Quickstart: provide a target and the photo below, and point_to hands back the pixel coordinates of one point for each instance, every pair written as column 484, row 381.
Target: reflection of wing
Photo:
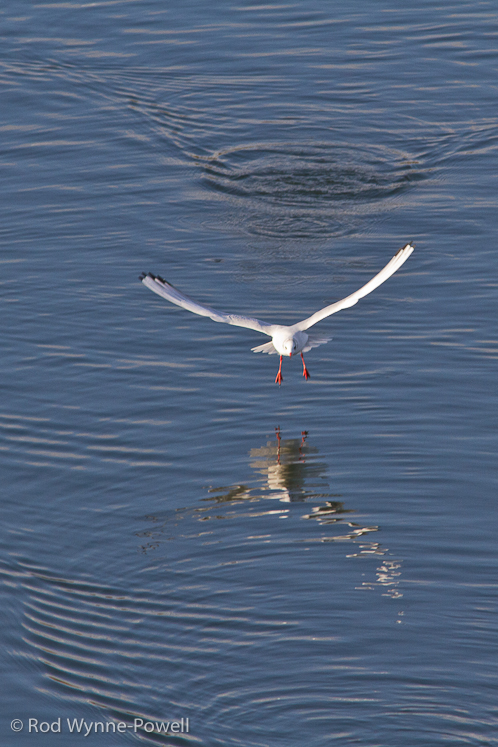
column 399, row 259
column 168, row 291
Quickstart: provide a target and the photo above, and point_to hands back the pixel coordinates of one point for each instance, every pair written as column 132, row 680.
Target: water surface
column 183, row 538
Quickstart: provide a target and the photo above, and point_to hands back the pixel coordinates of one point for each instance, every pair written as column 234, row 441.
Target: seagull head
column 290, row 347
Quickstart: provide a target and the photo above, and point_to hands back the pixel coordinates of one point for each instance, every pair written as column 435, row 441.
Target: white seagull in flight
column 289, row 340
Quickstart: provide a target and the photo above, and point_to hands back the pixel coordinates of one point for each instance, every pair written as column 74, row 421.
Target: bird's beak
column 290, row 355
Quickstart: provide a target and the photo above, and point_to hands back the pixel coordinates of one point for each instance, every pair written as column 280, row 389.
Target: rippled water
column 314, row 563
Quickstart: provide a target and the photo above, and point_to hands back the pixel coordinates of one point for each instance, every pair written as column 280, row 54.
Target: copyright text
column 80, row 726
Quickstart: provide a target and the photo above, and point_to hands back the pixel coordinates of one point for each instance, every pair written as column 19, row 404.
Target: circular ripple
column 310, row 188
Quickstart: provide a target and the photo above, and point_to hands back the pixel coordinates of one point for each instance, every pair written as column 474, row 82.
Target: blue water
column 311, row 564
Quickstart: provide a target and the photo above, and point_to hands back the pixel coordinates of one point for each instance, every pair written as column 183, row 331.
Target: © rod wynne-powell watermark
column 80, row 726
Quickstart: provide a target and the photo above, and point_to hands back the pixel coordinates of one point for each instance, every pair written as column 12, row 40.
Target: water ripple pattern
column 181, row 538
column 324, row 188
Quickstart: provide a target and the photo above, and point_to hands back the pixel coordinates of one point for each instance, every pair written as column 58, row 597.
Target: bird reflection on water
column 289, row 472
column 286, row 466
column 292, row 474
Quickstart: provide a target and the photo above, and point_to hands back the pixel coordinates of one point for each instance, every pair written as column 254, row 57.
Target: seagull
column 285, row 340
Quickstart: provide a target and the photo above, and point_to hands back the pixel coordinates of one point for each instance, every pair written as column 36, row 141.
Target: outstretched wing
column 399, row 259
column 168, row 291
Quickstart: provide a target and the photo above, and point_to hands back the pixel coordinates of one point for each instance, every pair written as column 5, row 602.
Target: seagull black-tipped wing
column 172, row 294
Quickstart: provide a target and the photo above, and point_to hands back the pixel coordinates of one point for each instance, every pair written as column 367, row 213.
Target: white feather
column 168, row 291
column 268, row 347
column 399, row 259
column 314, row 342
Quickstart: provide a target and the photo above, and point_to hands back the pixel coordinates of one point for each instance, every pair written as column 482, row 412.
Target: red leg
column 304, row 436
column 306, row 373
column 279, row 378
